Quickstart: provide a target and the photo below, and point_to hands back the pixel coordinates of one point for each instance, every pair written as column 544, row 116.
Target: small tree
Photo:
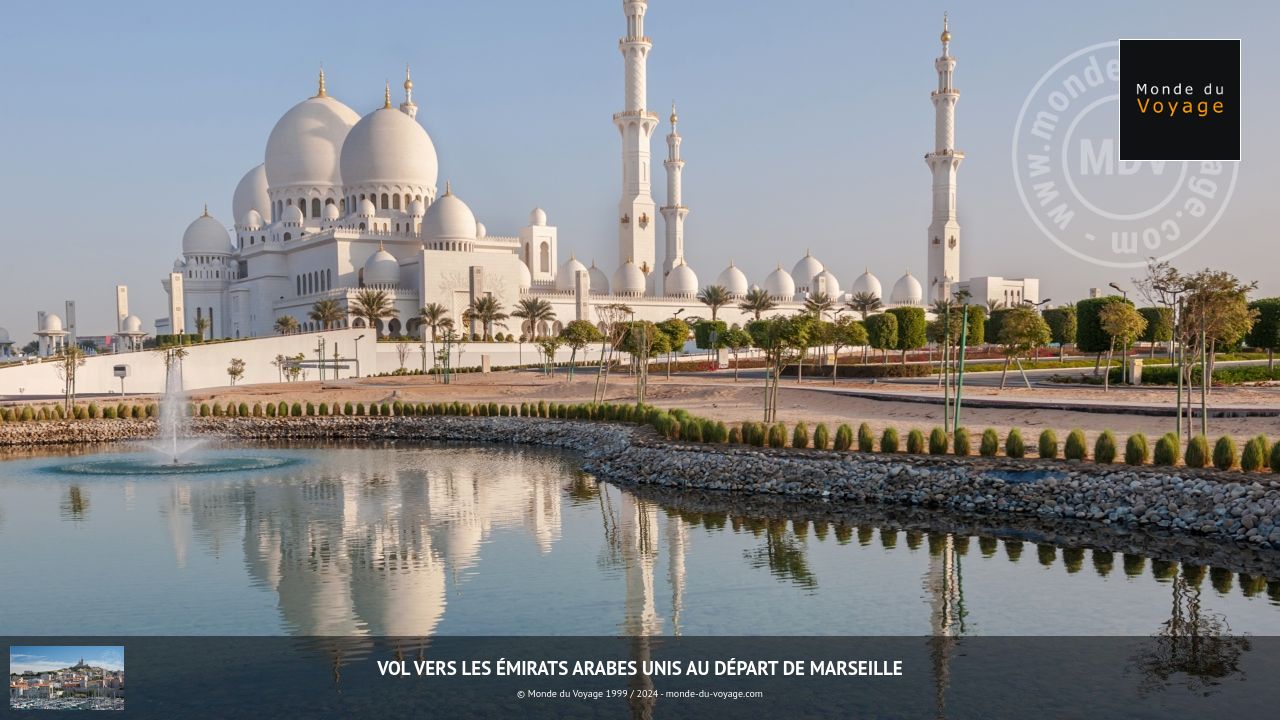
column 912, row 329
column 577, row 335
column 1062, row 326
column 286, row 325
column 68, row 364
column 1159, row 326
column 736, row 340
column 1123, row 324
column 202, row 327
column 845, row 332
column 882, row 332
column 1022, row 332
column 714, row 297
column 1265, row 333
column 235, row 370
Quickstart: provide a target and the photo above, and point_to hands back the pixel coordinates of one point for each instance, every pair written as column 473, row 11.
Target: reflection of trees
column 1193, row 647
column 76, row 506
column 784, row 554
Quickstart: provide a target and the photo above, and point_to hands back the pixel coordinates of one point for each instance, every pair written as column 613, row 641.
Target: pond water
column 412, row 540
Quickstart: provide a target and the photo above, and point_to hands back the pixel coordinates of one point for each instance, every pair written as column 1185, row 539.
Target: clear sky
column 804, row 125
column 56, row 657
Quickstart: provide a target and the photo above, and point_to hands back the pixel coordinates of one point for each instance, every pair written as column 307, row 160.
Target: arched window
column 302, row 205
column 288, row 237
column 289, row 202
column 315, row 207
column 395, row 202
column 544, row 258
column 328, row 282
column 361, row 226
column 385, row 201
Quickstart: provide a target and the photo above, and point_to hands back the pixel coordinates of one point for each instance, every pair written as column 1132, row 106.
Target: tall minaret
column 674, row 212
column 944, row 161
column 636, row 221
column 407, row 107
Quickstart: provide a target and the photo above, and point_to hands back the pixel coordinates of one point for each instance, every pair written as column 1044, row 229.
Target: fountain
column 172, row 439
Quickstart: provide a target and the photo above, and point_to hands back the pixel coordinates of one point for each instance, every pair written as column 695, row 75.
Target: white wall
column 500, row 355
column 204, row 367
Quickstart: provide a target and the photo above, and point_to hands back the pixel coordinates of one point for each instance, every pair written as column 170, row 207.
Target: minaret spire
column 386, row 97
column 320, row 91
column 636, row 125
column 674, row 212
column 407, row 107
column 944, row 163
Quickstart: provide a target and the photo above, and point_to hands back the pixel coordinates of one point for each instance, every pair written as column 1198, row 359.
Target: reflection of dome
column 733, row 280
column 833, row 285
column 628, row 280
column 387, row 147
column 133, row 324
column 449, row 219
column 206, row 236
column 599, row 281
column 304, row 146
column 52, row 324
column 538, row 217
column 381, row 269
column 907, row 291
column 805, row 270
column 867, row 283
column 568, row 274
column 682, row 282
column 526, row 277
column 251, row 194
column 780, row 285
column 292, row 215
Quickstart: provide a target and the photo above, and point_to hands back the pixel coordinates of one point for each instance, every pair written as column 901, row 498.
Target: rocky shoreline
column 1229, row 508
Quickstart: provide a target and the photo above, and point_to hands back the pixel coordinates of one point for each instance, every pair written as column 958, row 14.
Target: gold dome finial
column 946, row 32
column 674, row 118
column 386, row 96
column 448, row 187
column 408, row 81
column 320, row 91
column 206, row 210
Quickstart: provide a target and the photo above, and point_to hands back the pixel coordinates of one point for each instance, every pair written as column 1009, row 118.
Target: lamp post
column 358, row 339
column 1124, row 351
column 1176, row 360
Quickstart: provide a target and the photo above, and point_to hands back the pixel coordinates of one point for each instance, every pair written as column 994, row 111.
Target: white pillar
column 674, row 212
column 636, row 208
column 944, row 162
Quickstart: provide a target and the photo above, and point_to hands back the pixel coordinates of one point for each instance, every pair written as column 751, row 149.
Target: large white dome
column 568, row 274
column 251, row 194
column 682, row 282
column 907, row 291
column 779, row 285
column 305, row 145
column 628, row 280
column 206, row 236
column 449, row 218
column 805, row 270
column 868, row 283
column 733, row 280
column 381, row 269
column 599, row 281
column 389, row 148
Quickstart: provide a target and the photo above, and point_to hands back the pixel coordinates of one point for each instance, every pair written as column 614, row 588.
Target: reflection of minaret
column 677, row 535
column 636, row 529
column 946, row 611
column 178, row 517
column 944, row 162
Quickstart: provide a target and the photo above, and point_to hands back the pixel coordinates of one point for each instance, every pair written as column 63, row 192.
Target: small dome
column 780, row 285
column 367, row 208
column 526, row 277
column 481, row 230
column 449, row 218
column 292, row 215
column 133, row 324
column 381, row 269
column 833, row 285
column 52, row 324
column 538, row 217
column 907, row 291
column 628, row 280
column 568, row 274
column 4, row 335
column 179, row 264
column 417, row 208
column 251, row 194
column 305, row 144
column 599, row 281
column 682, row 282
column 805, row 270
column 331, row 212
column 387, row 147
column 733, row 280
column 251, row 220
column 206, row 236
column 868, row 283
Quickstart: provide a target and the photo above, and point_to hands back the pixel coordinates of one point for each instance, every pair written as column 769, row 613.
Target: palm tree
column 488, row 312
column 373, row 306
column 757, row 302
column 994, row 304
column 432, row 317
column 818, row 305
column 286, row 324
column 326, row 312
column 533, row 312
column 202, row 327
column 864, row 303
column 714, row 297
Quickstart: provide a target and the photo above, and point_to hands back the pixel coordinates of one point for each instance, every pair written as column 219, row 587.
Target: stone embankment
column 1223, row 506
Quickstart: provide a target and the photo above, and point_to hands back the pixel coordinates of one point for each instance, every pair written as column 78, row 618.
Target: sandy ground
column 812, row 401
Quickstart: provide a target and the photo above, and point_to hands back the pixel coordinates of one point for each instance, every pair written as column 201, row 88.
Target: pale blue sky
column 31, row 658
column 804, row 126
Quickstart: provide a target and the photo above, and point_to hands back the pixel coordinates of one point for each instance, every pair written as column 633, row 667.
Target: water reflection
column 76, row 505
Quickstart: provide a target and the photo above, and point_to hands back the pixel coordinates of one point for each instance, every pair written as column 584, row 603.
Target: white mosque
column 343, row 202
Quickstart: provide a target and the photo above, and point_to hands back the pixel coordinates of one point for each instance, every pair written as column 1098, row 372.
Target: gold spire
column 386, row 96
column 320, row 91
column 448, row 188
column 408, row 81
column 206, row 210
column 946, row 33
column 674, row 118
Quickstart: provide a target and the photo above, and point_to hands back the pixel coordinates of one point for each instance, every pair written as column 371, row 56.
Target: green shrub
column 1076, row 448
column 271, row 409
column 757, row 435
column 915, row 441
column 231, row 410
column 1166, row 452
column 1273, row 461
column 348, row 408
column 937, row 441
column 1197, row 452
column 360, row 408
column 693, row 432
column 322, row 409
column 296, row 409
column 1224, row 453
column 889, row 440
column 123, row 411
column 866, row 439
column 800, row 436
column 109, row 413
column 1047, row 447
column 989, row 445
column 257, row 409
column 721, row 433
column 311, row 409
column 244, row 409
column 218, row 410
column 844, row 437
column 204, row 410
column 94, row 411
column 153, row 410
column 1104, row 449
column 1136, row 450
column 821, row 437
column 1254, row 457
column 778, row 436
column 542, row 409
column 735, row 435
column 960, row 443
column 493, row 409
column 1014, row 446
column 1265, row 444
column 282, row 409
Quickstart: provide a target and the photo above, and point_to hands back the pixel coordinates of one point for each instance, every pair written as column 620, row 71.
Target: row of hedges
column 92, row 411
column 892, row 370
column 1225, row 375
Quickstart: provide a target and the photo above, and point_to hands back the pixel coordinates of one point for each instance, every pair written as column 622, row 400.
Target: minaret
column 674, row 212
column 636, row 221
column 944, row 161
column 407, row 107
